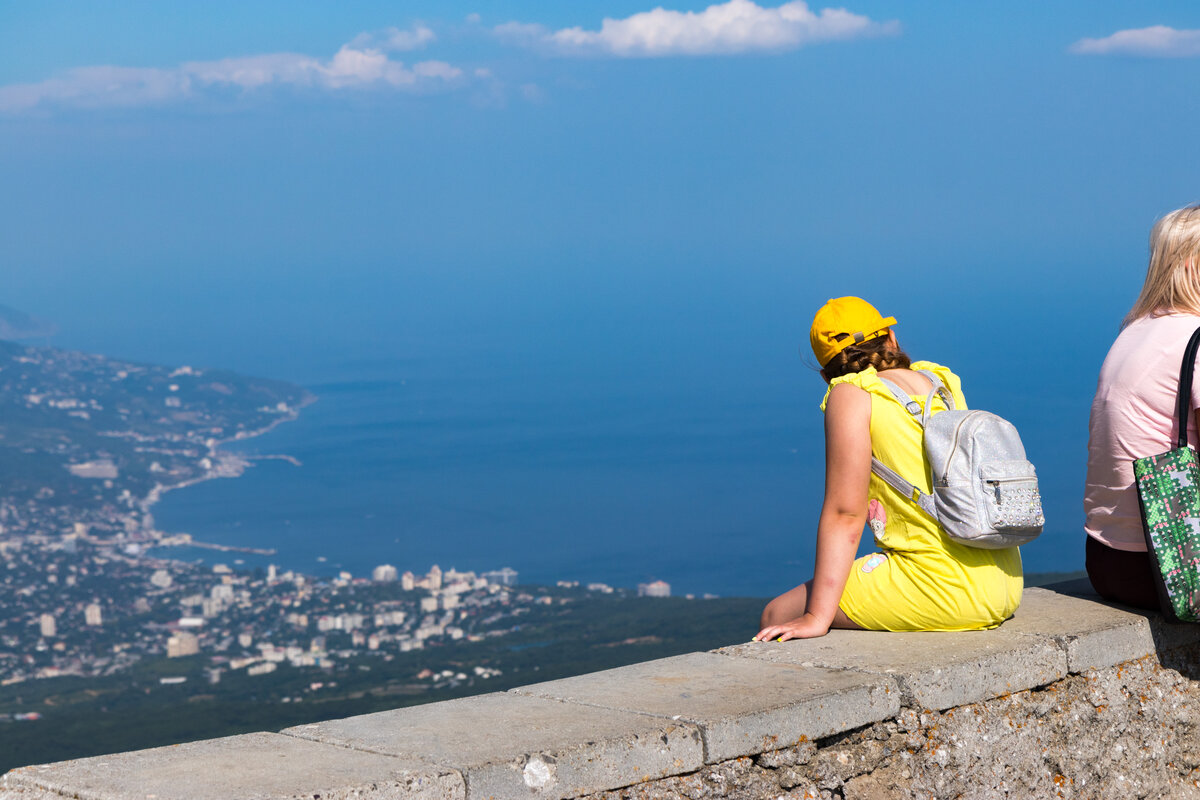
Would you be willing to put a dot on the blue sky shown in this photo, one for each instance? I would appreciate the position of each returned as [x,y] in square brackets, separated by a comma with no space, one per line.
[248,183]
[927,131]
[793,156]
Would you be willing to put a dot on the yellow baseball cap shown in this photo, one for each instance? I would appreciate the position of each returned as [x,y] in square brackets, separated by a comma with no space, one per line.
[842,322]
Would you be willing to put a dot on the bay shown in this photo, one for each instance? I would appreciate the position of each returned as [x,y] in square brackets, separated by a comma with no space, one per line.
[444,461]
[465,461]
[659,426]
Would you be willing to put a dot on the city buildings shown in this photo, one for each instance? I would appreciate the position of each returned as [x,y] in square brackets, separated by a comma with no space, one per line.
[654,589]
[182,644]
[504,576]
[85,590]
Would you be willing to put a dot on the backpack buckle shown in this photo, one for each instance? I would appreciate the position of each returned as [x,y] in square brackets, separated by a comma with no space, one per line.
[913,407]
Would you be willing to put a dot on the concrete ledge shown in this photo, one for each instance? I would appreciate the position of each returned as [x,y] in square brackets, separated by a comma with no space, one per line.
[742,707]
[1092,635]
[599,732]
[263,766]
[934,670]
[508,745]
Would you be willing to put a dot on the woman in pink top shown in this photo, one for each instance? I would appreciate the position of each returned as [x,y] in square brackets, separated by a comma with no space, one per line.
[1133,414]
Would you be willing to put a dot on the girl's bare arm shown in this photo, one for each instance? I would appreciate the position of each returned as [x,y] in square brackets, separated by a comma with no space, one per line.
[843,513]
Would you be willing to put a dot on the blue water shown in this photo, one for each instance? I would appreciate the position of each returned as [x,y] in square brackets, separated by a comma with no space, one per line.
[709,481]
[585,421]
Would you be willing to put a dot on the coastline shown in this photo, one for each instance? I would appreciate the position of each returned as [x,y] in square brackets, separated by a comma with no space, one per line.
[224,464]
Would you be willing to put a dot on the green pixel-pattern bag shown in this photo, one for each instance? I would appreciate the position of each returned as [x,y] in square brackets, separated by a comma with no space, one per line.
[1169,490]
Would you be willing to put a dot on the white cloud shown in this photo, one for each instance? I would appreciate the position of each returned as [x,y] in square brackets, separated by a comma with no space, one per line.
[354,66]
[93,87]
[525,33]
[1157,41]
[736,26]
[436,69]
[394,39]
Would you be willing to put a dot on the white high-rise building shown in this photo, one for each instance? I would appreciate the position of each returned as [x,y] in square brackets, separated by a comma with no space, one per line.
[92,614]
[435,577]
[47,626]
[452,576]
[384,573]
[408,581]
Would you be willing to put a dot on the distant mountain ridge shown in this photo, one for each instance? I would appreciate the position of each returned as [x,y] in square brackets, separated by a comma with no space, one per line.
[15,325]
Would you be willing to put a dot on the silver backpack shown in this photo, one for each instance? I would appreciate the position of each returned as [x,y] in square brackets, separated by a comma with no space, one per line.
[985,492]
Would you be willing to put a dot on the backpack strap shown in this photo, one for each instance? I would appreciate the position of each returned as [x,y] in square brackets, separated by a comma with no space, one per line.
[921,415]
[893,479]
[903,398]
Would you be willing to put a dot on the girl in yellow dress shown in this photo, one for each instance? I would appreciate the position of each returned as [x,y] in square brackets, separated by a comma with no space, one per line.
[920,580]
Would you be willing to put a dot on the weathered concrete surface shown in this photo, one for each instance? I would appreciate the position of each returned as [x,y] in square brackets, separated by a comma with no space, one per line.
[1093,635]
[1128,731]
[256,766]
[742,706]
[1169,639]
[934,670]
[509,745]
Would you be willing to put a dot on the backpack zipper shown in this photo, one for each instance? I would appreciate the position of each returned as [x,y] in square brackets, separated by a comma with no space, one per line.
[953,449]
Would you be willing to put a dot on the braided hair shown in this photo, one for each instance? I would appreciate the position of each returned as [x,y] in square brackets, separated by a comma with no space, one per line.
[878,353]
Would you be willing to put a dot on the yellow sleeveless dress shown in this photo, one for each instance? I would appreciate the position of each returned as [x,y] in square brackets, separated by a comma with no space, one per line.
[921,580]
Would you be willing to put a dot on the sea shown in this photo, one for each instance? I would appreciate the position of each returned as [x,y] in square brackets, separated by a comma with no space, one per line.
[593,433]
[711,484]
[416,462]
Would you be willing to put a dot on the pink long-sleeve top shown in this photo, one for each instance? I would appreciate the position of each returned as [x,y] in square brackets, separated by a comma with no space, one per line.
[1133,415]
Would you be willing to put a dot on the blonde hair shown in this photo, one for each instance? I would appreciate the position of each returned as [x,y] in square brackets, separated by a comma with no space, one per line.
[1173,277]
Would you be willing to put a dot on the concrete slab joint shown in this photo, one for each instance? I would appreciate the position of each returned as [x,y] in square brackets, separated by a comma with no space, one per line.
[642,723]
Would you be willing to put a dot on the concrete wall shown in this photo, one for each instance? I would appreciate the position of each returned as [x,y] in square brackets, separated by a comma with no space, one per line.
[1070,698]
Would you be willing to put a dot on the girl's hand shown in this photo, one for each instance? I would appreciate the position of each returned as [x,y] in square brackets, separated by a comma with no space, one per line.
[805,627]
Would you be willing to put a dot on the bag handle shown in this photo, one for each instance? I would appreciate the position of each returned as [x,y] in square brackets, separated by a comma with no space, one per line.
[939,388]
[1183,403]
